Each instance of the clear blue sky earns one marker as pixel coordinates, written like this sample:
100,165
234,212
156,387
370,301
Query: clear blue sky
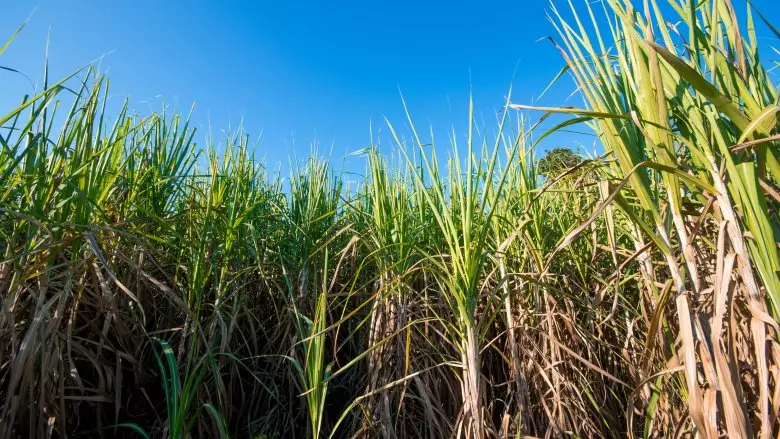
299,71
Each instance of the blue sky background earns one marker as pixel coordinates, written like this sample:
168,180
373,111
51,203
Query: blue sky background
300,71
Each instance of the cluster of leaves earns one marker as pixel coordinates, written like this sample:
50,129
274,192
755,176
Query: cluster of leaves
556,161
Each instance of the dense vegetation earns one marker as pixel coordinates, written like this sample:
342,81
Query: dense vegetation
154,288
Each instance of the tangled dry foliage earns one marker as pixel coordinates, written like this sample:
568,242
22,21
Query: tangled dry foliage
153,289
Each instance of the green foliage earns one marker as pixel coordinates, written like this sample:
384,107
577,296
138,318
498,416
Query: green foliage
157,287
557,160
